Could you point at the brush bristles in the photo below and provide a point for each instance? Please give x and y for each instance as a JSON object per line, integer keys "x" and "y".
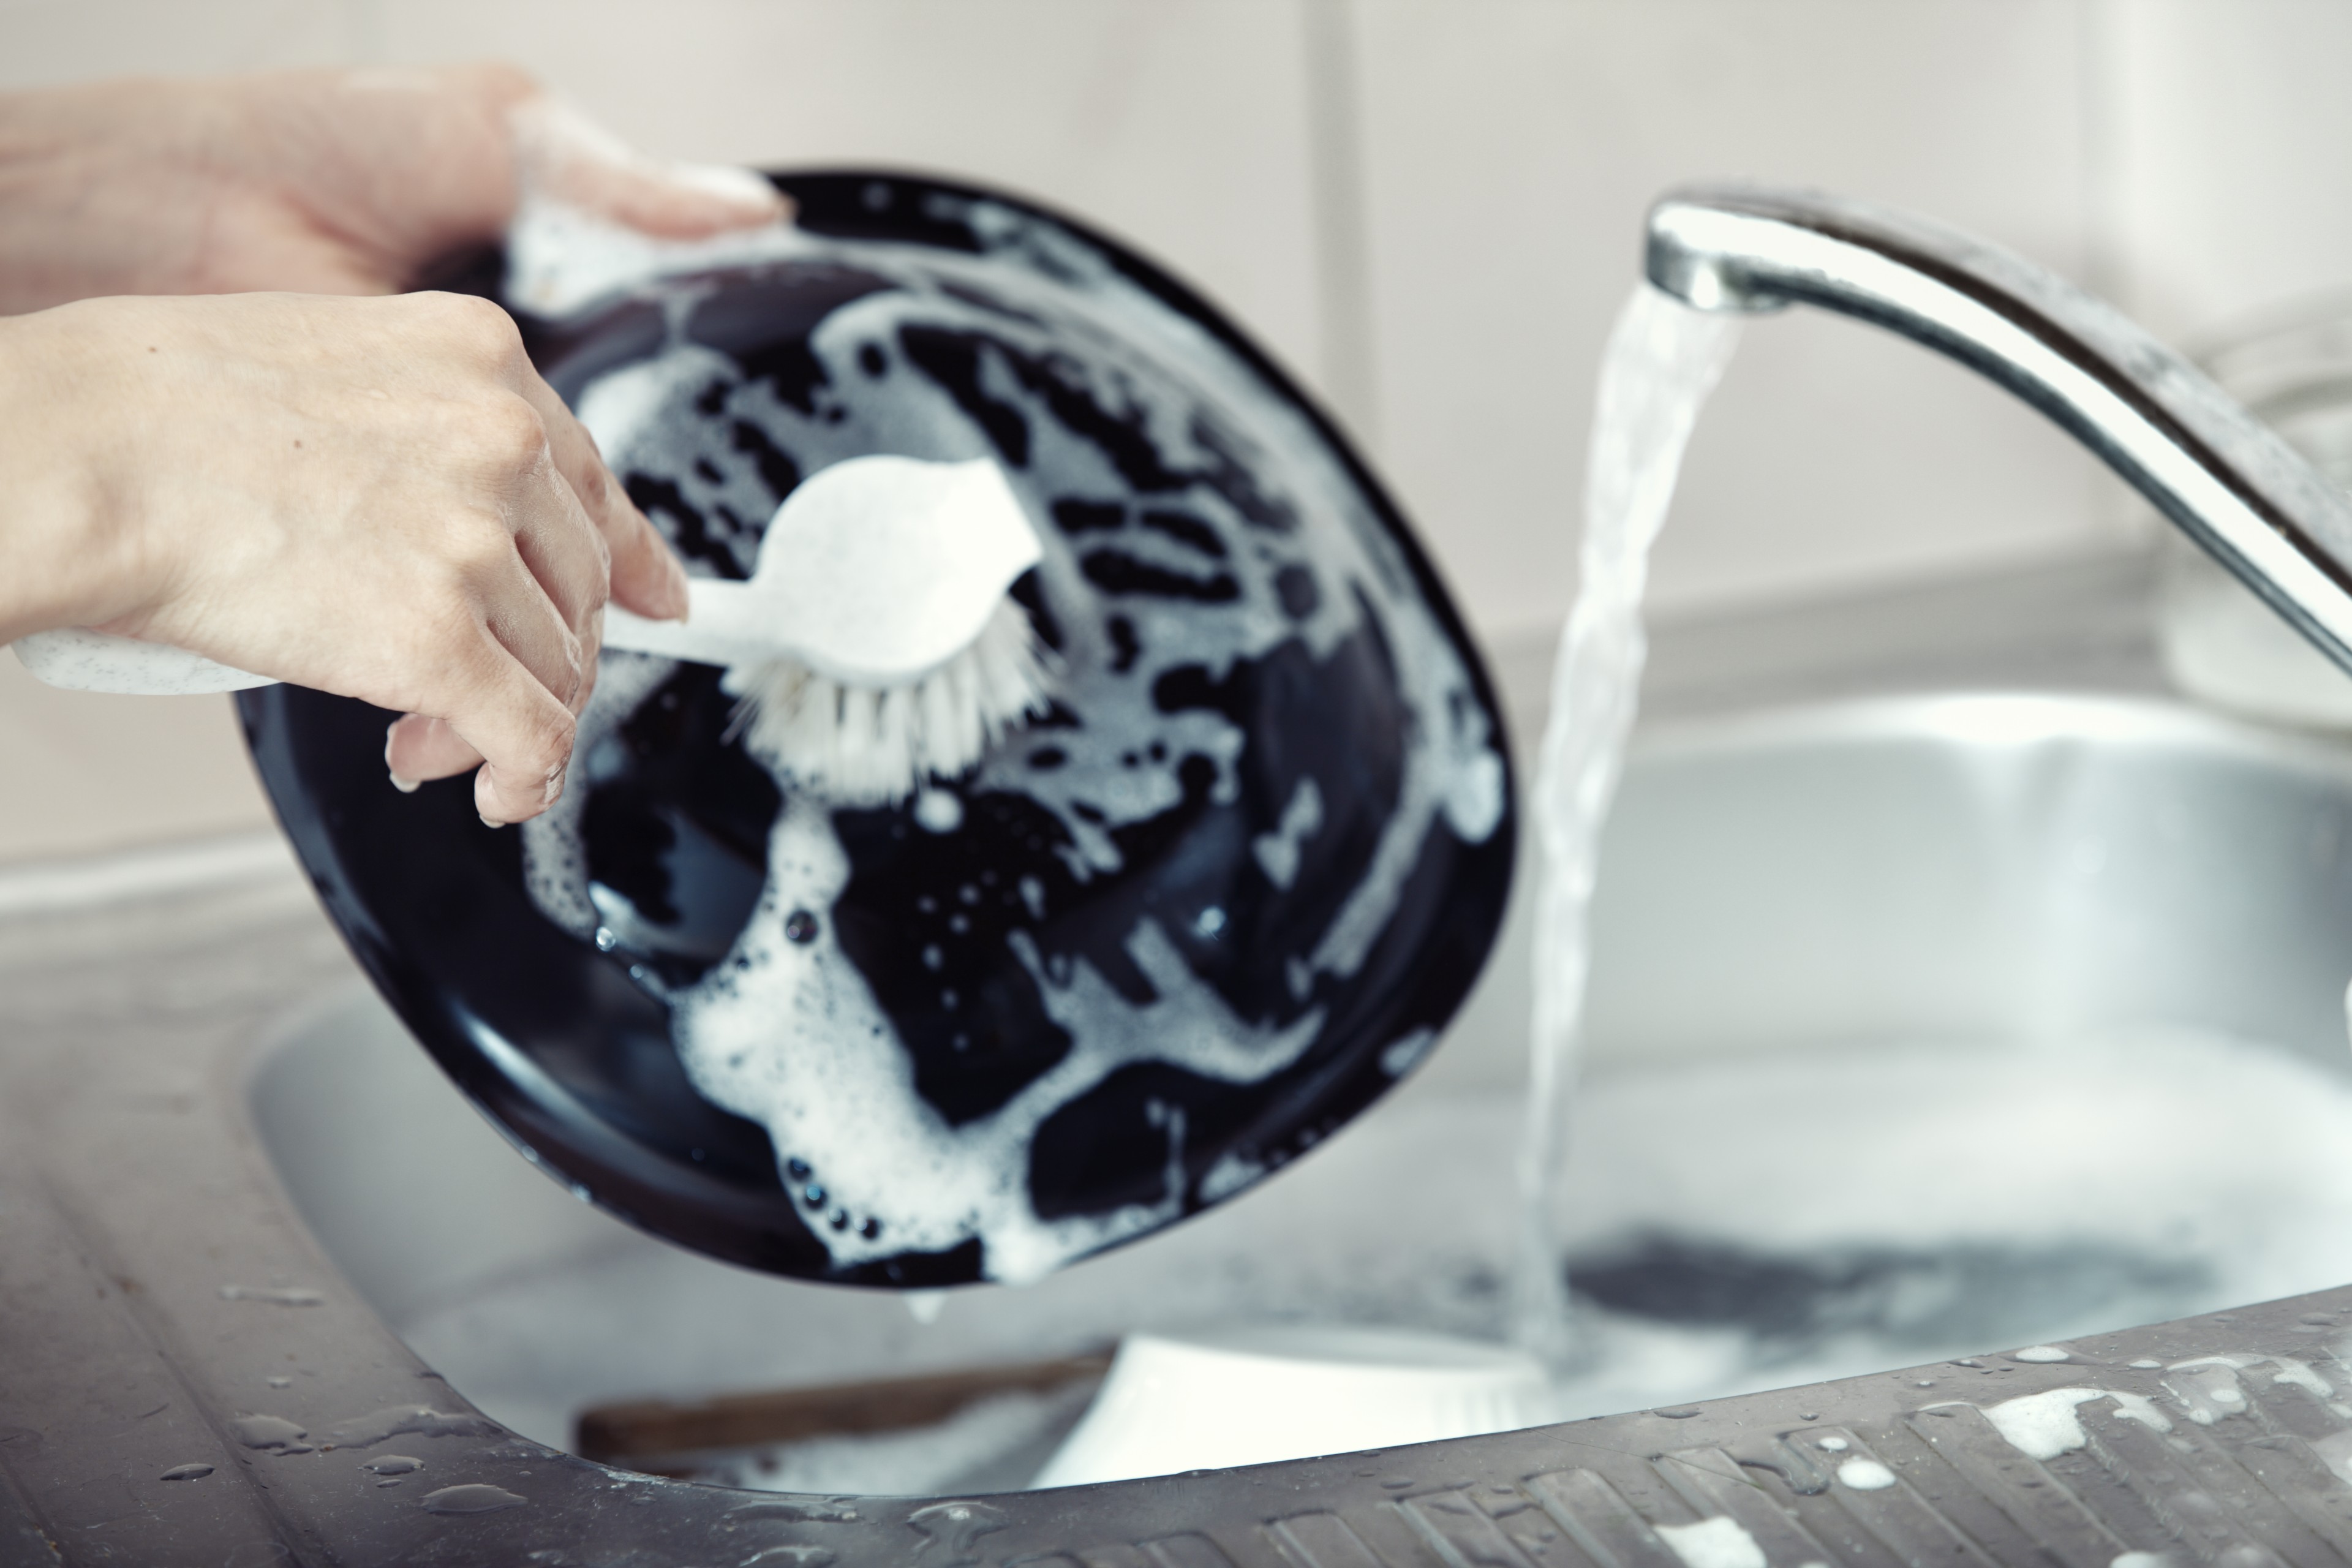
{"x": 873, "y": 746}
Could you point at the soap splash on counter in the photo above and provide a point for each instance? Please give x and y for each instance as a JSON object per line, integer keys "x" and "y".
{"x": 1664, "y": 359}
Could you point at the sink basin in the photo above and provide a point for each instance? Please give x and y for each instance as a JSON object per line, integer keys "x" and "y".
{"x": 1920, "y": 1027}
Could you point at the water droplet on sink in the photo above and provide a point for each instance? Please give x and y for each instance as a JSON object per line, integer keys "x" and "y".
{"x": 266, "y": 1432}
{"x": 393, "y": 1465}
{"x": 288, "y": 1296}
{"x": 279, "y": 1381}
{"x": 956, "y": 1526}
{"x": 187, "y": 1472}
{"x": 471, "y": 1497}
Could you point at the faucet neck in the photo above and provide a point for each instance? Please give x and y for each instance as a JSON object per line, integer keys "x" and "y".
{"x": 2224, "y": 478}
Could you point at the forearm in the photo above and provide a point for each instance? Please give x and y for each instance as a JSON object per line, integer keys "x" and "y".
{"x": 99, "y": 194}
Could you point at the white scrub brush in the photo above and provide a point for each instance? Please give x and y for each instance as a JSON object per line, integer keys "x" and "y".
{"x": 873, "y": 647}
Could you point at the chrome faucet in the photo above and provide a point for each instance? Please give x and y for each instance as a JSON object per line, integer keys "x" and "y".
{"x": 2207, "y": 463}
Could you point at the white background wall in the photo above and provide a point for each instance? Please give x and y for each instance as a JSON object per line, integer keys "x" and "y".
{"x": 1431, "y": 209}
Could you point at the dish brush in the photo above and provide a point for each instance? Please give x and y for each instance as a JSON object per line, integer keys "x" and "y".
{"x": 873, "y": 646}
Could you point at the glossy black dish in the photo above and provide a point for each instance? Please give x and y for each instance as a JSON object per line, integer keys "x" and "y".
{"x": 1156, "y": 945}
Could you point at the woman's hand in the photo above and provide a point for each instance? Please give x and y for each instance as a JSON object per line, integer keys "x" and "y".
{"x": 376, "y": 496}
{"x": 326, "y": 182}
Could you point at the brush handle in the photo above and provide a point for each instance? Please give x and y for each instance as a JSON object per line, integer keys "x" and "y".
{"x": 726, "y": 625}
{"x": 75, "y": 658}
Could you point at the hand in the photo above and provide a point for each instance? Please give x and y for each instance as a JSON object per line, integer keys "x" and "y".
{"x": 314, "y": 181}
{"x": 175, "y": 425}
{"x": 377, "y": 497}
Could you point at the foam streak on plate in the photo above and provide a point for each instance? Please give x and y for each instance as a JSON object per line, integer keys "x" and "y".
{"x": 1243, "y": 553}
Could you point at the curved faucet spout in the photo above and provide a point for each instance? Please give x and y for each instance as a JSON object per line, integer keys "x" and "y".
{"x": 2207, "y": 463}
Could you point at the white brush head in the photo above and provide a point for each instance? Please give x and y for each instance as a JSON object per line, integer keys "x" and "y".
{"x": 873, "y": 745}
{"x": 873, "y": 646}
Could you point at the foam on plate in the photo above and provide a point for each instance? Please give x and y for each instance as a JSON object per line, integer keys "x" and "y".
{"x": 787, "y": 1031}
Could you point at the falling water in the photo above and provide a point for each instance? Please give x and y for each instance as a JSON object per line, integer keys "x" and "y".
{"x": 1664, "y": 359}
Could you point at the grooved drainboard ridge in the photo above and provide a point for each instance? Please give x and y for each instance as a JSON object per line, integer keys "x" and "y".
{"x": 2223, "y": 1440}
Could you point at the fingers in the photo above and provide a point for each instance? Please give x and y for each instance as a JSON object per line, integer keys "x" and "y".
{"x": 647, "y": 576}
{"x": 681, "y": 201}
{"x": 506, "y": 661}
{"x": 568, "y": 157}
{"x": 540, "y": 594}
{"x": 528, "y": 614}
{"x": 506, "y": 713}
{"x": 644, "y": 577}
{"x": 417, "y": 749}
{"x": 564, "y": 552}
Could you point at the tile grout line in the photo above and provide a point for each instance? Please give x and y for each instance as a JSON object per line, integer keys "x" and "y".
{"x": 1335, "y": 139}
{"x": 83, "y": 882}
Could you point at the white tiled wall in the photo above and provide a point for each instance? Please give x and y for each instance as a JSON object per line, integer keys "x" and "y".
{"x": 1513, "y": 147}
{"x": 45, "y": 43}
{"x": 2231, "y": 146}
{"x": 1176, "y": 123}
{"x": 1429, "y": 207}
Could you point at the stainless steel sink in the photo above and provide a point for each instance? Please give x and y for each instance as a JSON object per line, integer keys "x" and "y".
{"x": 236, "y": 1202}
{"x": 1963, "y": 876}
{"x": 1975, "y": 866}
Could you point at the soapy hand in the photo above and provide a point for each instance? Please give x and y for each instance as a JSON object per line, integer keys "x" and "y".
{"x": 375, "y": 496}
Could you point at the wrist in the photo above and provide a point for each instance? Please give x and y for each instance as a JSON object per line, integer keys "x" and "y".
{"x": 68, "y": 403}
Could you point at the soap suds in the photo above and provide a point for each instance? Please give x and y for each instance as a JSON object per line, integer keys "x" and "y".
{"x": 1866, "y": 1475}
{"x": 787, "y": 1033}
{"x": 2046, "y": 1425}
{"x": 1717, "y": 1542}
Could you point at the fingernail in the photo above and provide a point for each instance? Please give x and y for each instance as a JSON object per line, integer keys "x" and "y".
{"x": 405, "y": 786}
{"x": 744, "y": 188}
{"x": 488, "y": 822}
{"x": 553, "y": 788}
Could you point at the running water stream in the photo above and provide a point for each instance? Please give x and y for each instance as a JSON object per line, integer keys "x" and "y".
{"x": 1662, "y": 361}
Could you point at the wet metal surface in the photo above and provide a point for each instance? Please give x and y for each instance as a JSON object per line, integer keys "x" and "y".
{"x": 148, "y": 1416}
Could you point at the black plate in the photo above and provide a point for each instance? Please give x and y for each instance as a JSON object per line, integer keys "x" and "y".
{"x": 1155, "y": 946}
